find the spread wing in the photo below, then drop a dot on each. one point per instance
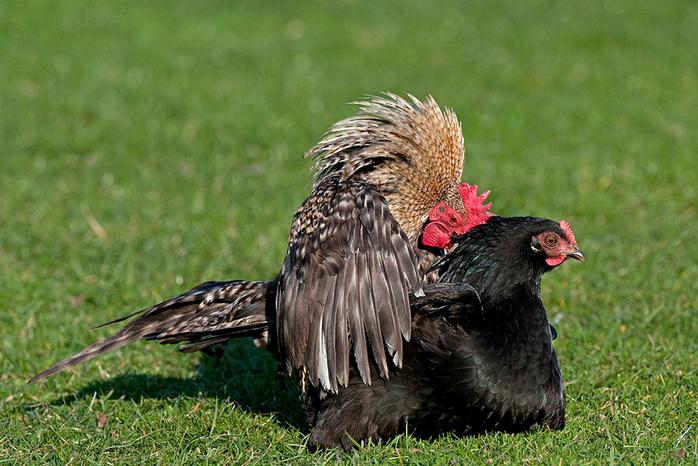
(345, 284)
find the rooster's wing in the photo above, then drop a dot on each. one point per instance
(345, 283)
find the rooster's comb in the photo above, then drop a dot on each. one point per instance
(568, 231)
(476, 210)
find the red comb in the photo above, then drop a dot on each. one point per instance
(568, 231)
(476, 210)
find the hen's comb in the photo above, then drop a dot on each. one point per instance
(568, 231)
(476, 210)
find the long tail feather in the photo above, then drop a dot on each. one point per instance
(209, 314)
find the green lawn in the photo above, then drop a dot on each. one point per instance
(148, 146)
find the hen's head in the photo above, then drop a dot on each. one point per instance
(504, 251)
(447, 221)
(555, 244)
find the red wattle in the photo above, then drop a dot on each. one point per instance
(436, 235)
(555, 260)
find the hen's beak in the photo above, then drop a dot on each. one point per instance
(575, 253)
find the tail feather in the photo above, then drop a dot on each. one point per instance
(209, 314)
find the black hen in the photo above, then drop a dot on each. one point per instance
(481, 355)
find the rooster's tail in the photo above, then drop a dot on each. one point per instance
(209, 314)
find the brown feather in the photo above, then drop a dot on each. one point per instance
(344, 250)
(409, 150)
(214, 309)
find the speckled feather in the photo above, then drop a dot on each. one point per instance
(347, 275)
(353, 249)
(409, 150)
(203, 316)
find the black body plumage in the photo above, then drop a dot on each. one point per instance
(481, 356)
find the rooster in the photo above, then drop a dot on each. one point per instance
(481, 355)
(386, 201)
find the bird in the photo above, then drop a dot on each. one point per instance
(387, 200)
(481, 356)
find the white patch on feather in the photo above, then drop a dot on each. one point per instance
(207, 300)
(323, 370)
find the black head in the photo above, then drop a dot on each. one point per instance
(508, 250)
(553, 242)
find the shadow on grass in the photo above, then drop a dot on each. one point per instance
(244, 375)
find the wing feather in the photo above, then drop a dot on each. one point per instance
(368, 308)
(345, 285)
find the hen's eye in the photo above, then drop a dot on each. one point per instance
(550, 240)
(454, 219)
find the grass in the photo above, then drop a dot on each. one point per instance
(148, 146)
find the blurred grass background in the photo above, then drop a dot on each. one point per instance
(148, 146)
